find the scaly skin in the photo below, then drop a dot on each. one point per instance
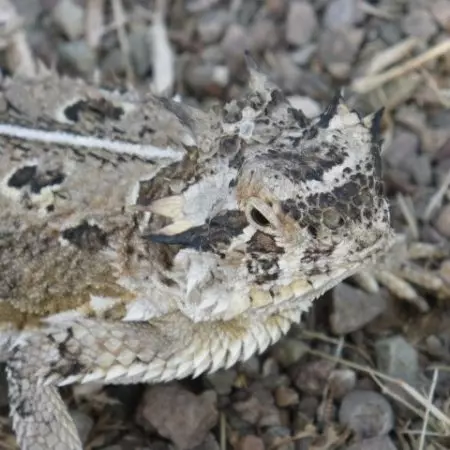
(143, 241)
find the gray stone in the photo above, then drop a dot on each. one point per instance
(78, 55)
(342, 381)
(366, 413)
(303, 55)
(250, 443)
(140, 49)
(274, 436)
(235, 41)
(178, 414)
(421, 171)
(375, 443)
(420, 23)
(289, 351)
(338, 49)
(209, 443)
(342, 13)
(251, 367)
(263, 35)
(212, 25)
(403, 148)
(222, 381)
(301, 23)
(285, 396)
(83, 422)
(397, 358)
(354, 308)
(69, 17)
(440, 9)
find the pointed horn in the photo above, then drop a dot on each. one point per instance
(375, 126)
(330, 110)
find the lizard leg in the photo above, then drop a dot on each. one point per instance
(40, 418)
(81, 351)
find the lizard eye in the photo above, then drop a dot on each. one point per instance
(259, 218)
(261, 215)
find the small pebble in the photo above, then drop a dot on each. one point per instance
(342, 381)
(354, 308)
(342, 13)
(222, 381)
(212, 25)
(178, 414)
(263, 35)
(420, 23)
(366, 413)
(375, 443)
(69, 17)
(288, 351)
(312, 376)
(235, 41)
(209, 443)
(338, 49)
(397, 358)
(277, 437)
(440, 9)
(250, 443)
(83, 422)
(140, 49)
(78, 55)
(403, 148)
(301, 23)
(285, 396)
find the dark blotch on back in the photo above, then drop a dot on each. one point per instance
(101, 108)
(86, 237)
(22, 177)
(35, 179)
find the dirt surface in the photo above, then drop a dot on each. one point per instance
(366, 370)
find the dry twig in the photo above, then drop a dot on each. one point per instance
(363, 85)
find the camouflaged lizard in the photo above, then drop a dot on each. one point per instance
(142, 240)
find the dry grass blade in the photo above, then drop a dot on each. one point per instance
(375, 11)
(95, 25)
(18, 52)
(442, 420)
(427, 411)
(391, 55)
(406, 207)
(363, 85)
(437, 198)
(163, 57)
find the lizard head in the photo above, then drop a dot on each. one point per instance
(304, 205)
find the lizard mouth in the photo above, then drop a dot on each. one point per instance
(303, 290)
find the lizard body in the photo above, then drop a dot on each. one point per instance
(142, 240)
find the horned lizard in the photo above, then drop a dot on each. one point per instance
(142, 240)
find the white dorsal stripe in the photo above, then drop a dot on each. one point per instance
(121, 147)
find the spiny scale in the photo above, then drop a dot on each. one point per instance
(142, 240)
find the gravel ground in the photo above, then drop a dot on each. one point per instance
(359, 372)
